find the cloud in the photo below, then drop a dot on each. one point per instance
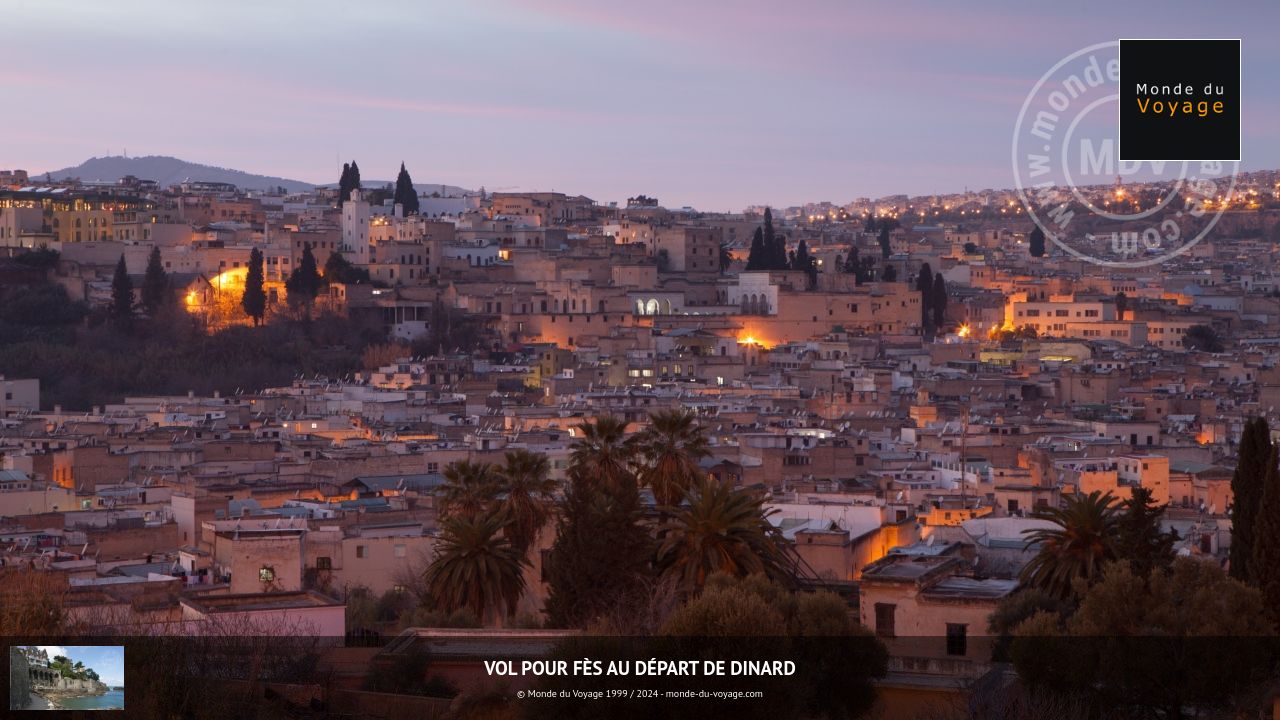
(53, 650)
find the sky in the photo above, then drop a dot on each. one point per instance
(106, 660)
(707, 103)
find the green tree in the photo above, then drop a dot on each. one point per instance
(601, 454)
(337, 269)
(924, 285)
(886, 249)
(1035, 242)
(890, 273)
(720, 529)
(756, 258)
(1139, 539)
(349, 181)
(1190, 637)
(121, 307)
(970, 249)
(470, 488)
(1203, 338)
(476, 567)
(1083, 541)
(304, 283)
(155, 284)
(1246, 489)
(254, 299)
(938, 300)
(1265, 567)
(526, 495)
(726, 258)
(406, 196)
(602, 555)
(671, 448)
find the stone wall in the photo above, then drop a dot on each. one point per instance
(19, 680)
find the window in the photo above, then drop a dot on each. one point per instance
(957, 639)
(884, 619)
(360, 551)
(324, 563)
(399, 551)
(267, 574)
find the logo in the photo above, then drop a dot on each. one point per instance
(1087, 200)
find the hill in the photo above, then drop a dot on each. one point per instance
(168, 171)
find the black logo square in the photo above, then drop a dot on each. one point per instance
(1180, 100)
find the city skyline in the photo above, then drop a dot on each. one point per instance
(700, 107)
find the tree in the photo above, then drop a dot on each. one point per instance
(970, 249)
(602, 555)
(1035, 242)
(155, 284)
(121, 307)
(938, 299)
(469, 488)
(775, 246)
(889, 274)
(1140, 540)
(924, 285)
(1190, 637)
(602, 455)
(1265, 567)
(254, 299)
(671, 448)
(337, 269)
(406, 196)
(1202, 337)
(525, 494)
(885, 248)
(476, 567)
(1246, 489)
(304, 282)
(721, 529)
(349, 181)
(1122, 302)
(756, 258)
(1083, 541)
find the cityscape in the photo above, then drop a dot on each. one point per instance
(360, 445)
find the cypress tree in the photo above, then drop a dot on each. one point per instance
(155, 284)
(1246, 488)
(775, 248)
(254, 300)
(889, 274)
(885, 249)
(924, 285)
(121, 307)
(601, 555)
(756, 259)
(304, 282)
(1036, 242)
(405, 195)
(1265, 564)
(355, 176)
(939, 300)
(344, 183)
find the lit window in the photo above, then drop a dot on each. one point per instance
(267, 574)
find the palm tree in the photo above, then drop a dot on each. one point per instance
(469, 488)
(476, 566)
(720, 529)
(1083, 541)
(526, 495)
(671, 447)
(602, 454)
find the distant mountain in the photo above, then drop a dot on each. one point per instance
(168, 171)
